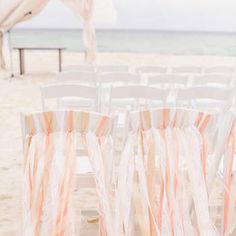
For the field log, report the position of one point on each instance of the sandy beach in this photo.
(23, 92)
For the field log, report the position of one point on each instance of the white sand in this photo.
(23, 92)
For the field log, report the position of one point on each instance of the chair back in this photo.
(134, 93)
(49, 169)
(88, 68)
(124, 99)
(218, 80)
(219, 70)
(80, 77)
(165, 152)
(118, 78)
(206, 98)
(186, 70)
(70, 96)
(112, 68)
(169, 81)
(151, 69)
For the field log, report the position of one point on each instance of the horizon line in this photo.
(132, 29)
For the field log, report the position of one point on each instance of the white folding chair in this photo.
(205, 98)
(118, 78)
(219, 70)
(89, 68)
(187, 70)
(62, 128)
(165, 147)
(112, 68)
(134, 93)
(168, 81)
(71, 96)
(218, 80)
(126, 98)
(115, 79)
(151, 70)
(81, 77)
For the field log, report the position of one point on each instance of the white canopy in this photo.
(15, 11)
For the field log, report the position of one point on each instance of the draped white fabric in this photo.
(100, 155)
(163, 175)
(15, 11)
(162, 178)
(2, 61)
(85, 9)
(49, 170)
(24, 11)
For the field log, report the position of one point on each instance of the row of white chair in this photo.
(164, 80)
(186, 69)
(154, 69)
(101, 68)
(92, 78)
(73, 94)
(119, 100)
(126, 92)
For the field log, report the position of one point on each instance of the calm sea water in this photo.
(178, 43)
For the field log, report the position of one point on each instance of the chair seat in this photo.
(83, 166)
(84, 173)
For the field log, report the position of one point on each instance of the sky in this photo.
(190, 15)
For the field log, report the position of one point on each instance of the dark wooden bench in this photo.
(22, 55)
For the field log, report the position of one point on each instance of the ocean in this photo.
(132, 41)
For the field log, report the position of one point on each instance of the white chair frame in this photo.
(120, 78)
(168, 80)
(186, 70)
(88, 68)
(151, 69)
(81, 77)
(129, 97)
(207, 95)
(71, 91)
(138, 92)
(112, 68)
(219, 70)
(219, 80)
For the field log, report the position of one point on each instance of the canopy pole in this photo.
(10, 52)
(10, 46)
